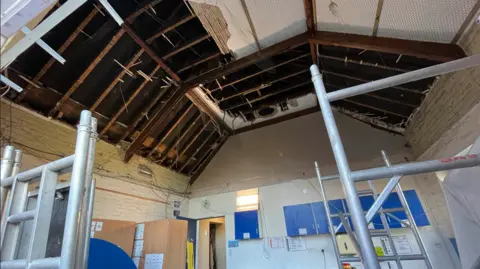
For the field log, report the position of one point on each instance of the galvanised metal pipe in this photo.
(413, 168)
(77, 182)
(84, 229)
(379, 201)
(419, 74)
(59, 166)
(369, 255)
(86, 248)
(17, 162)
(411, 219)
(5, 171)
(329, 219)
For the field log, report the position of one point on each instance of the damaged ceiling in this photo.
(178, 77)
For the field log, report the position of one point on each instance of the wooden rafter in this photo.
(196, 151)
(61, 50)
(250, 22)
(311, 27)
(160, 116)
(87, 72)
(186, 46)
(198, 169)
(375, 108)
(190, 143)
(132, 97)
(260, 72)
(170, 27)
(144, 6)
(206, 59)
(116, 80)
(201, 105)
(264, 84)
(174, 126)
(150, 52)
(421, 49)
(377, 17)
(179, 139)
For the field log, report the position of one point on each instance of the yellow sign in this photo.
(379, 251)
(190, 255)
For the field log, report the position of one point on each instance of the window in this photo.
(247, 200)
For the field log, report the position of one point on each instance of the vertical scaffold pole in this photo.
(363, 234)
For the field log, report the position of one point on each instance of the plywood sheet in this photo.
(118, 232)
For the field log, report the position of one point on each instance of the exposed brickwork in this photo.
(451, 97)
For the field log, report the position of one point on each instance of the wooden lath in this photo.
(195, 153)
(130, 99)
(116, 80)
(150, 52)
(170, 27)
(206, 59)
(190, 125)
(186, 46)
(87, 72)
(171, 129)
(61, 50)
(145, 5)
(190, 143)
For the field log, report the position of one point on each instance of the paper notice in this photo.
(276, 242)
(302, 231)
(246, 235)
(137, 248)
(92, 234)
(139, 231)
(154, 261)
(296, 244)
(136, 261)
(93, 225)
(402, 245)
(99, 226)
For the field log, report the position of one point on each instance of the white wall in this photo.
(251, 254)
(287, 150)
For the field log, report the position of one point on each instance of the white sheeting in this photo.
(462, 193)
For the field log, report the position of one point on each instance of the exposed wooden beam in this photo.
(201, 105)
(186, 46)
(268, 95)
(467, 21)
(157, 119)
(206, 59)
(140, 116)
(250, 22)
(313, 52)
(116, 80)
(150, 52)
(377, 17)
(260, 72)
(190, 143)
(365, 63)
(174, 126)
(375, 108)
(179, 139)
(130, 99)
(262, 85)
(366, 80)
(196, 151)
(86, 72)
(170, 27)
(206, 160)
(421, 49)
(311, 26)
(61, 50)
(144, 6)
(241, 63)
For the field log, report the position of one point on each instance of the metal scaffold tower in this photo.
(362, 237)
(15, 185)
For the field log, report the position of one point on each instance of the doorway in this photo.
(211, 244)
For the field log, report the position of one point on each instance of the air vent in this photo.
(266, 112)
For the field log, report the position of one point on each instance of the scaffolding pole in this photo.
(367, 249)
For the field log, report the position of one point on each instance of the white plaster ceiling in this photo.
(277, 20)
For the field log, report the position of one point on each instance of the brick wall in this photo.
(121, 192)
(449, 99)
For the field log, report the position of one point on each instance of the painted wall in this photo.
(257, 254)
(287, 150)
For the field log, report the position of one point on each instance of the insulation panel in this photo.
(425, 20)
(346, 16)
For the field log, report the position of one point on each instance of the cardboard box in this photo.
(167, 237)
(118, 232)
